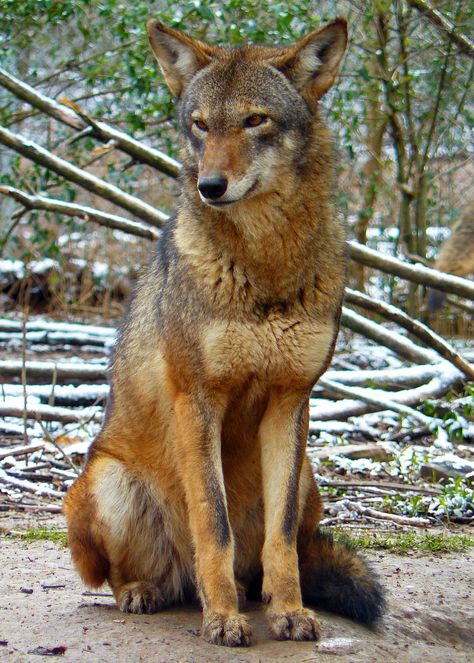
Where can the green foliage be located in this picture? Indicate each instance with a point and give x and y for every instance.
(404, 542)
(95, 52)
(44, 533)
(457, 499)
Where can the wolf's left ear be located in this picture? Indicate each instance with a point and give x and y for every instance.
(312, 63)
(179, 56)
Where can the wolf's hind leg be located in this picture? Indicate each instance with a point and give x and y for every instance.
(134, 532)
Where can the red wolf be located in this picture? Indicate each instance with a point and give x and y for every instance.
(456, 255)
(198, 484)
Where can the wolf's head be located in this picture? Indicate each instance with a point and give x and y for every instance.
(247, 113)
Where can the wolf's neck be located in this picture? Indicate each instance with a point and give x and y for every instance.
(272, 242)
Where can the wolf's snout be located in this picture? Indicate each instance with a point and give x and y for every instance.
(212, 187)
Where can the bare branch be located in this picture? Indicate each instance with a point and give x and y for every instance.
(101, 130)
(399, 344)
(49, 413)
(340, 410)
(40, 155)
(435, 16)
(81, 211)
(416, 273)
(65, 371)
(415, 327)
(380, 402)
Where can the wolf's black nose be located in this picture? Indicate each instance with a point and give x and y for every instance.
(212, 187)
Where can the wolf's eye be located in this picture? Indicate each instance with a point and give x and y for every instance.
(255, 120)
(201, 125)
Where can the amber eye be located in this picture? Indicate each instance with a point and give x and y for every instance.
(201, 125)
(255, 120)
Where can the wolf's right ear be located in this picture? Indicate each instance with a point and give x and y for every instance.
(179, 56)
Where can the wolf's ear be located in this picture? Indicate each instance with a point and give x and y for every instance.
(178, 55)
(312, 63)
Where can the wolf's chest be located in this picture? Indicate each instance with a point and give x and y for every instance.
(278, 350)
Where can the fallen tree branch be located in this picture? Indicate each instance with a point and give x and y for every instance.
(388, 485)
(49, 413)
(56, 338)
(33, 508)
(49, 370)
(341, 410)
(40, 155)
(381, 515)
(86, 213)
(352, 451)
(100, 331)
(379, 401)
(399, 344)
(416, 273)
(441, 21)
(415, 327)
(28, 486)
(100, 130)
(411, 376)
(21, 451)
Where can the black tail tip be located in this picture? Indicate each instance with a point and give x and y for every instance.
(344, 583)
(436, 300)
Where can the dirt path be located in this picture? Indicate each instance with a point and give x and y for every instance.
(431, 617)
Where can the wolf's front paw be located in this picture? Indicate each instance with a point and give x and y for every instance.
(298, 624)
(233, 631)
(139, 597)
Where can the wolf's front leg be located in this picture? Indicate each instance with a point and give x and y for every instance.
(200, 466)
(283, 433)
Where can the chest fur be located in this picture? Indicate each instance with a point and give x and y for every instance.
(277, 350)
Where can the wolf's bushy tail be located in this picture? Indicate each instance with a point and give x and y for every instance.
(335, 578)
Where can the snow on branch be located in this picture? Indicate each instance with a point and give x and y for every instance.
(100, 130)
(416, 273)
(83, 212)
(40, 155)
(396, 342)
(415, 327)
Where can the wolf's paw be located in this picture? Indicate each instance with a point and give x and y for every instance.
(139, 597)
(231, 631)
(298, 624)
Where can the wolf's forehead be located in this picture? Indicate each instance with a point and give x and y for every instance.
(235, 87)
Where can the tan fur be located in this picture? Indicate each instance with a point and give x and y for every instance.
(198, 480)
(457, 253)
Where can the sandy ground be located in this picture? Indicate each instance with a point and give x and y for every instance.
(42, 604)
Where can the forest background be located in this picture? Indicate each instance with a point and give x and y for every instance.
(401, 116)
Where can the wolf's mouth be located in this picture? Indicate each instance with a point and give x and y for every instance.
(224, 203)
